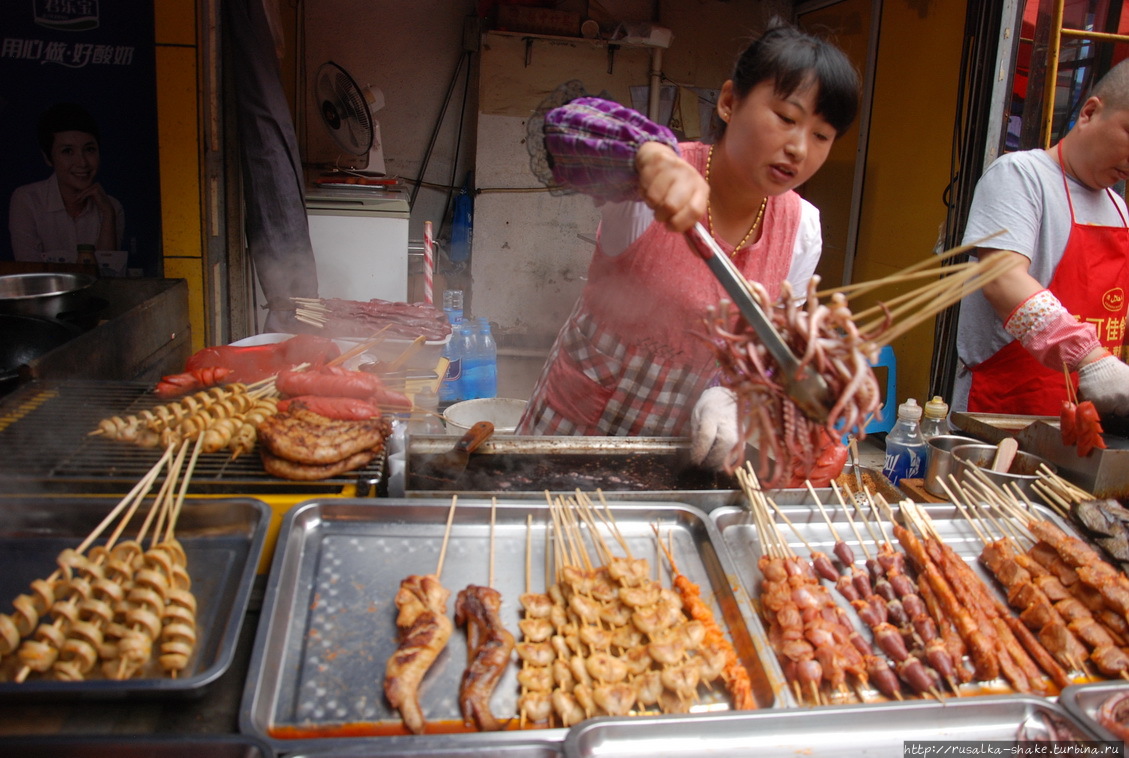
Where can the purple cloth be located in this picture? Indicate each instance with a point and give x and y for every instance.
(592, 143)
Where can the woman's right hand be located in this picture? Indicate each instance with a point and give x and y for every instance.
(670, 186)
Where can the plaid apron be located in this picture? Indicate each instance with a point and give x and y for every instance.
(631, 359)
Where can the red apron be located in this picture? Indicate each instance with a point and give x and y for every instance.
(1090, 283)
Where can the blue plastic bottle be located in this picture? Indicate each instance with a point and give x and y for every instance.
(481, 364)
(905, 446)
(453, 387)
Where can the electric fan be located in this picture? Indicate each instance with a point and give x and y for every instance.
(347, 112)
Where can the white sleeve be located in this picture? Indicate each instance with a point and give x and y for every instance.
(807, 248)
(621, 224)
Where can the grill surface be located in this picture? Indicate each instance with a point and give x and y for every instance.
(46, 445)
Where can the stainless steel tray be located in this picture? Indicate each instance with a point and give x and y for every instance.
(829, 732)
(139, 746)
(328, 623)
(223, 539)
(1083, 701)
(741, 539)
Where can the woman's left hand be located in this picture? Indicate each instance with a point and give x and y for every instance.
(100, 198)
(670, 186)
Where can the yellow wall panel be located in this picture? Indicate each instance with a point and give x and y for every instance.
(175, 22)
(180, 165)
(907, 167)
(190, 270)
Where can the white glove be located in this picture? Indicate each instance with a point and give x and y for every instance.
(713, 428)
(1105, 383)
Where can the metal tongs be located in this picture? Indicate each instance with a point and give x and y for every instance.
(806, 388)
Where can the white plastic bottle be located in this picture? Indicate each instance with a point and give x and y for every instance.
(935, 422)
(485, 376)
(453, 388)
(905, 447)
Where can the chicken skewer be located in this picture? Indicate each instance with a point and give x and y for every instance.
(489, 645)
(424, 631)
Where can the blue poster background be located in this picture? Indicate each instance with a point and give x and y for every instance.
(100, 54)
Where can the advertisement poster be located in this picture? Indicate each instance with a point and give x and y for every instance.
(100, 55)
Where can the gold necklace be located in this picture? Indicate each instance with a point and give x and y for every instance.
(709, 212)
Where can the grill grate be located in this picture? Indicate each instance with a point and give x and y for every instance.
(45, 442)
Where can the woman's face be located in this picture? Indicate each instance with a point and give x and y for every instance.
(774, 143)
(75, 158)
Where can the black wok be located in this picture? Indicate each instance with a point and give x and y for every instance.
(22, 340)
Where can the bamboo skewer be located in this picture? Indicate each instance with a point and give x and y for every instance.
(446, 536)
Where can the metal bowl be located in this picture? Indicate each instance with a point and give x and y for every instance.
(939, 461)
(1024, 470)
(42, 295)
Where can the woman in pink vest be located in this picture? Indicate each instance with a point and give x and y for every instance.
(629, 360)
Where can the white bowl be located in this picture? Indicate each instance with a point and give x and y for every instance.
(503, 412)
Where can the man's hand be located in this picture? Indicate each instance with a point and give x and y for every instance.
(713, 428)
(1105, 383)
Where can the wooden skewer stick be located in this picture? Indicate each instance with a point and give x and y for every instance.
(934, 261)
(493, 507)
(847, 512)
(446, 536)
(822, 510)
(376, 338)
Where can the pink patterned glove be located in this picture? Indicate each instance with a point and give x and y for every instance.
(1050, 333)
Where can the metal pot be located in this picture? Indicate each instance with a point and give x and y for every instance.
(42, 295)
(939, 461)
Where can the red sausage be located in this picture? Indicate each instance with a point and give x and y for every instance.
(328, 381)
(823, 566)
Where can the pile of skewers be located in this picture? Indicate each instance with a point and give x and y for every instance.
(603, 639)
(120, 603)
(821, 330)
(936, 628)
(607, 639)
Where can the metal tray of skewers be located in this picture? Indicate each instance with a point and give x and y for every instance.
(222, 542)
(328, 626)
(935, 624)
(833, 731)
(138, 746)
(1103, 707)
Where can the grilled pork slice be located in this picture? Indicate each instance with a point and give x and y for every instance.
(303, 436)
(424, 631)
(312, 472)
(489, 645)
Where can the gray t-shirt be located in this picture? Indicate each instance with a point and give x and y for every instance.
(1021, 193)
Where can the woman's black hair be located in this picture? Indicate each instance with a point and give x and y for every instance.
(793, 58)
(64, 117)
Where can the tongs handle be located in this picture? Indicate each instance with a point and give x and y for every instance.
(806, 388)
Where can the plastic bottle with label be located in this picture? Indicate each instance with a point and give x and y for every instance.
(905, 447)
(453, 305)
(935, 421)
(453, 388)
(481, 364)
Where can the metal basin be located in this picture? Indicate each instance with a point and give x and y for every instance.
(939, 461)
(43, 295)
(1024, 471)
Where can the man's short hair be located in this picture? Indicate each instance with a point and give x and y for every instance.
(1113, 88)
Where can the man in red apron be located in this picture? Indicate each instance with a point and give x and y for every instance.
(1063, 308)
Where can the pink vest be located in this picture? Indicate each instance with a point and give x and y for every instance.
(631, 359)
